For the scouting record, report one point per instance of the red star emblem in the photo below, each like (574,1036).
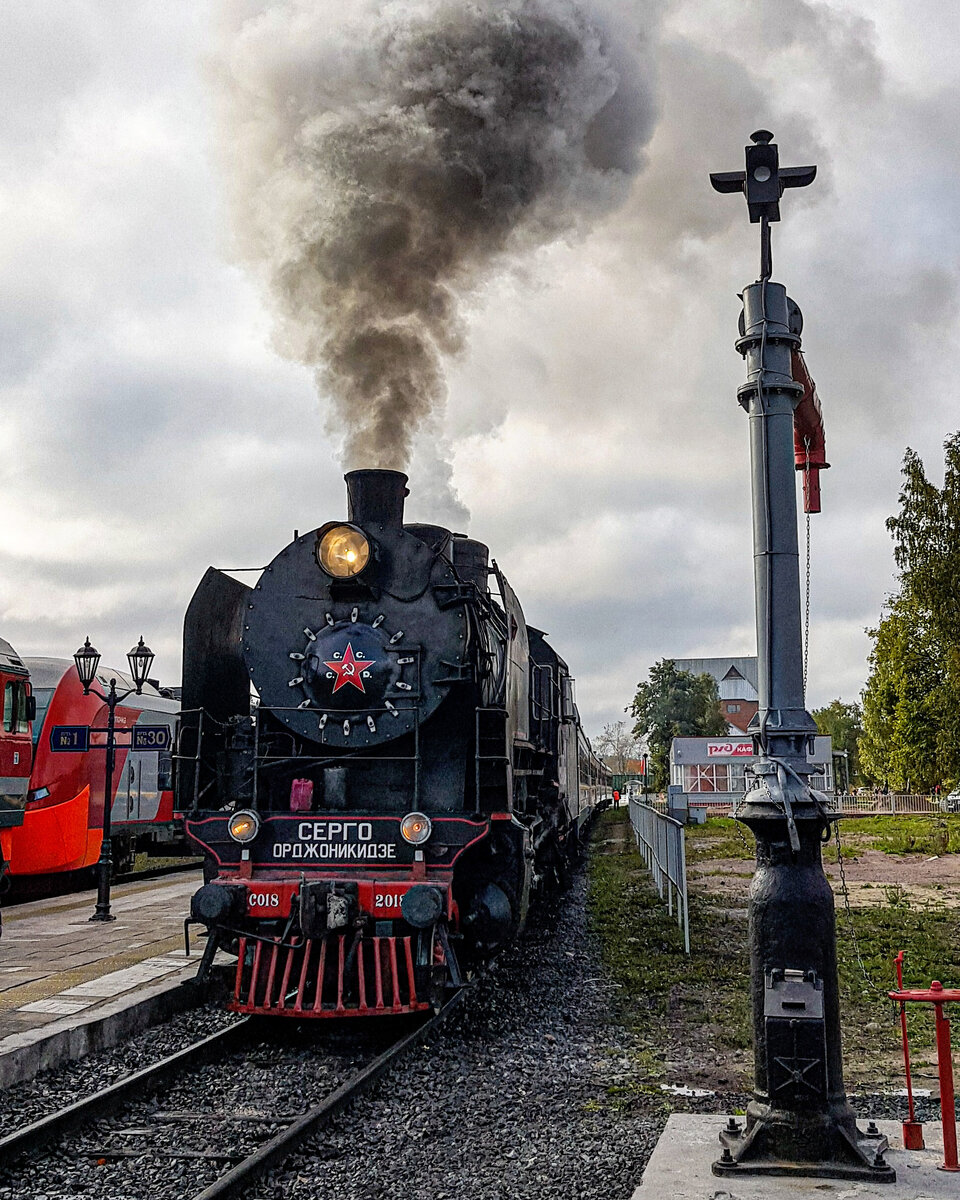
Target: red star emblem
(349,669)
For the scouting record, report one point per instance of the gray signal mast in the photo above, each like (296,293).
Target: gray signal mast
(799,1121)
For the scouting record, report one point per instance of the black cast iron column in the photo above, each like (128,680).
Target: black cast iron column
(105,863)
(799,1121)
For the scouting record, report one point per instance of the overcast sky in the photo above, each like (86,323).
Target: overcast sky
(150,428)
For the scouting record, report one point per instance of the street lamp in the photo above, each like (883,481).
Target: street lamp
(87,660)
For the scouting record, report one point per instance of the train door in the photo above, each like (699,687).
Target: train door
(134,767)
(145,794)
(16,744)
(569,766)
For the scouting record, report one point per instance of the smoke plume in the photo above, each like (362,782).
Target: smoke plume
(385,163)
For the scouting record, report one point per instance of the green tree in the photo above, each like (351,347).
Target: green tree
(903,701)
(844,724)
(911,706)
(926,537)
(674,704)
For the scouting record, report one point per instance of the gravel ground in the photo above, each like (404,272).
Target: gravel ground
(508,1099)
(53,1090)
(528,1090)
(174,1144)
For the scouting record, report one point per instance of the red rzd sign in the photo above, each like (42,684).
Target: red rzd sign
(729,749)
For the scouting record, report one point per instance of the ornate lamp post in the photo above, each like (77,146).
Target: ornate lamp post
(799,1121)
(87,659)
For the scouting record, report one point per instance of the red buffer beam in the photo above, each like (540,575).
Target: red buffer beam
(809,441)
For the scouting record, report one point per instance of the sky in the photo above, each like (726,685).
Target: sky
(152,425)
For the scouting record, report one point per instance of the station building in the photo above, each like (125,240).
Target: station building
(711,770)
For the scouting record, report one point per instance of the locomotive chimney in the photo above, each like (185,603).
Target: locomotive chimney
(376,498)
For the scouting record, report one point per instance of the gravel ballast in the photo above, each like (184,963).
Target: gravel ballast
(508,1098)
(52,1090)
(529,1089)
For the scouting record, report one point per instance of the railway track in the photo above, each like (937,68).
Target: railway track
(237,1169)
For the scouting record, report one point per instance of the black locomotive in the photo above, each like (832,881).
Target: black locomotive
(411,768)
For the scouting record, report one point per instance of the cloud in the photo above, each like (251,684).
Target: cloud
(591,426)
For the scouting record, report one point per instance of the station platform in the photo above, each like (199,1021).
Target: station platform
(69,985)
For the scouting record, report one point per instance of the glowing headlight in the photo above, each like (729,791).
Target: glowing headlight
(343,551)
(416,827)
(244,826)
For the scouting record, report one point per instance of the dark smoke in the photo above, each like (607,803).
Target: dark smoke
(385,166)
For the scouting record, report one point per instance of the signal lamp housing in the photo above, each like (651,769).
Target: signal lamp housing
(416,828)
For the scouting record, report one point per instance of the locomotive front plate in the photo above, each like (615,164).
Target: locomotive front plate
(296,842)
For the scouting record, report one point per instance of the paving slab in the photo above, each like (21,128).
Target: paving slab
(679,1169)
(69,985)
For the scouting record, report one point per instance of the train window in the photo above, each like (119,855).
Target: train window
(15,708)
(43,696)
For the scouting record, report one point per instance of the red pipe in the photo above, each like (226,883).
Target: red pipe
(809,440)
(912,1128)
(948,1109)
(938,995)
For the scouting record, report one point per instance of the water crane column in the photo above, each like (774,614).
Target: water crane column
(799,1121)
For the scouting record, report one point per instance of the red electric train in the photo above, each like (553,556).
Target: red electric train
(61,794)
(16,746)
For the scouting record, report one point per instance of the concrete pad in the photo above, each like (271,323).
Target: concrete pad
(679,1169)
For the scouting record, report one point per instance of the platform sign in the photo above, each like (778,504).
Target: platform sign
(69,739)
(150,737)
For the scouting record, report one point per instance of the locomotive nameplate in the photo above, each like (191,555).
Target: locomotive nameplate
(299,842)
(345,841)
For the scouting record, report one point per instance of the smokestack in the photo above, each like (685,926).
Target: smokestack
(376,498)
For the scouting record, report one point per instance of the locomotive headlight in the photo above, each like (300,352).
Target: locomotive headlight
(343,551)
(416,827)
(244,826)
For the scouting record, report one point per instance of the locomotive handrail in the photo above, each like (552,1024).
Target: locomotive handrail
(405,705)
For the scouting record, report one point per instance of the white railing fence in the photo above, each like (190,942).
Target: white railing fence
(661,844)
(875,804)
(886,804)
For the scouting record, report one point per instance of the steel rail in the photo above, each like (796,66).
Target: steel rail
(52,1128)
(47,1129)
(283,1144)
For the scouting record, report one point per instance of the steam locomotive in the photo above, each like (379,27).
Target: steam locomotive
(411,768)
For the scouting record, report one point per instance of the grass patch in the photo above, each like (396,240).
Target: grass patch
(698,1007)
(719,837)
(903,835)
(642,950)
